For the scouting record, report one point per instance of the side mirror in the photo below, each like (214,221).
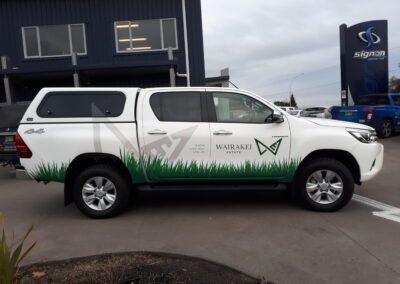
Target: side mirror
(275,118)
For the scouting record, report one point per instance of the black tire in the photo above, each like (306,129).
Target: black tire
(386,129)
(122,189)
(324,164)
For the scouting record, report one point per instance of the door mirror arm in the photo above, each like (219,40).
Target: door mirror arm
(275,118)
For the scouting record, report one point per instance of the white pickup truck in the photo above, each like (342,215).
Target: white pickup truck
(102,143)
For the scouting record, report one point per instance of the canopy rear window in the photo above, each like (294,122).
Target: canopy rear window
(82,104)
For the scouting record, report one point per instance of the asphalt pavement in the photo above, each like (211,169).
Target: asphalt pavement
(260,233)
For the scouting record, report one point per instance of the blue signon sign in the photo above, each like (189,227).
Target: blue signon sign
(364,59)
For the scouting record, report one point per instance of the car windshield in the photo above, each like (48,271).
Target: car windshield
(293,112)
(10,116)
(373,100)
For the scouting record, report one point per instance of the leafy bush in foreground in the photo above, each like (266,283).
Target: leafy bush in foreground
(11,256)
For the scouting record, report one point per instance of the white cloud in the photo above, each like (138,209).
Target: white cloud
(266,43)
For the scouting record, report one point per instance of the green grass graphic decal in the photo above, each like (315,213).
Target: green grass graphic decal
(133,166)
(50,172)
(157,167)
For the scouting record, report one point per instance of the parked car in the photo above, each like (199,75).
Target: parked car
(297,112)
(10,117)
(382,112)
(318,112)
(102,142)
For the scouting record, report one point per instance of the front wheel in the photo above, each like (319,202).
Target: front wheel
(325,185)
(101,191)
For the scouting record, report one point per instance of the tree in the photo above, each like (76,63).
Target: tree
(394,85)
(293,102)
(282,103)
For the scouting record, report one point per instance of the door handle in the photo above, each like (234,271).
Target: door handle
(157,132)
(222,132)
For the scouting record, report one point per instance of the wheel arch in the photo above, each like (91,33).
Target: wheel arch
(389,118)
(340,155)
(84,161)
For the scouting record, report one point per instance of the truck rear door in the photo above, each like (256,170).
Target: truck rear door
(174,134)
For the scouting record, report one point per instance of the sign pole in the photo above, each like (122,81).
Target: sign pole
(343,66)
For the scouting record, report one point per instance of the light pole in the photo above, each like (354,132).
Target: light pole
(291,87)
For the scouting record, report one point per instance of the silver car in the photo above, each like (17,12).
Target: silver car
(318,112)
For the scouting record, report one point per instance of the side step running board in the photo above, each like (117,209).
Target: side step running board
(211,186)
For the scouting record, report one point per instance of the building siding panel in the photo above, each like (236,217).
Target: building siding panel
(98,17)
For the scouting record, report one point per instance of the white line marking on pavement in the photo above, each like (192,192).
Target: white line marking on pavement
(386,211)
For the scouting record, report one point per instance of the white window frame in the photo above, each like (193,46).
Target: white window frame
(163,48)
(40,47)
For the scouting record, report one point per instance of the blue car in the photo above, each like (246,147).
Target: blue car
(380,111)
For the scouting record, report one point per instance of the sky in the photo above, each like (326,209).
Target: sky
(268,43)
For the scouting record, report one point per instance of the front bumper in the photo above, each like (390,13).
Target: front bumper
(375,167)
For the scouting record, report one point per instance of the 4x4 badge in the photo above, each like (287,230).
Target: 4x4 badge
(274,148)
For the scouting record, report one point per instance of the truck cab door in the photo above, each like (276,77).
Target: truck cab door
(246,144)
(175,134)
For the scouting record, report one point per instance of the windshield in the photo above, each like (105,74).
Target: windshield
(10,116)
(373,100)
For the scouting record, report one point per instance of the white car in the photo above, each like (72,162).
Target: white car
(102,143)
(317,112)
(297,112)
(287,109)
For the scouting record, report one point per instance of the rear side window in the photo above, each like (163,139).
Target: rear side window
(177,107)
(396,100)
(373,100)
(82,104)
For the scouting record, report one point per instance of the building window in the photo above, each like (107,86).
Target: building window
(145,35)
(55,40)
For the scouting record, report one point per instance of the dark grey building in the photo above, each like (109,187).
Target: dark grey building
(118,43)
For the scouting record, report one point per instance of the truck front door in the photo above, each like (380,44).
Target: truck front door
(245,143)
(175,140)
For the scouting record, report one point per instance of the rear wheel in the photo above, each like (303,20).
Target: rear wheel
(325,184)
(386,129)
(101,191)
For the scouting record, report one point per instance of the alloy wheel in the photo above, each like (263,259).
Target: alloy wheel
(324,186)
(99,193)
(386,129)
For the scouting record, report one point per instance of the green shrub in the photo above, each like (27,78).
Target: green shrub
(11,256)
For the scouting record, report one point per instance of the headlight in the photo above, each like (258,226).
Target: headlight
(364,136)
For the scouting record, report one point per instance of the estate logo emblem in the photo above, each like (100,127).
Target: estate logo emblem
(274,148)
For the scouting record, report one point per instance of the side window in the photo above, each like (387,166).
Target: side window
(177,107)
(396,100)
(82,104)
(383,100)
(237,108)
